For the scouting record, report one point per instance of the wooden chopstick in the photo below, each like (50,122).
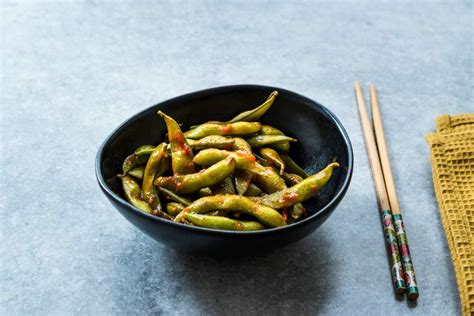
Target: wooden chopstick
(380,190)
(409,272)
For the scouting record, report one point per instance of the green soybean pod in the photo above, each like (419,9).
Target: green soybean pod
(224,187)
(138,157)
(181,153)
(223,223)
(190,183)
(149,193)
(253,190)
(241,144)
(297,211)
(137,172)
(173,196)
(212,141)
(292,167)
(242,181)
(266,140)
(208,122)
(144,150)
(292,178)
(236,203)
(238,128)
(205,192)
(218,213)
(273,157)
(267,178)
(256,113)
(165,165)
(132,193)
(251,115)
(174,208)
(270,130)
(300,192)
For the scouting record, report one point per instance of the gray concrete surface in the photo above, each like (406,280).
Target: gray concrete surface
(71,72)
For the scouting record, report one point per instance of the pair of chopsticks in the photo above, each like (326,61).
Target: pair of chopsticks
(401,266)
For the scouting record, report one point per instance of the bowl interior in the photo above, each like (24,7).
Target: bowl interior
(320,137)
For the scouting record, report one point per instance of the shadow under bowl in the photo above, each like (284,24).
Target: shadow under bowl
(321,138)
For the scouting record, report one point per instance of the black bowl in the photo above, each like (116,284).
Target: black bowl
(321,138)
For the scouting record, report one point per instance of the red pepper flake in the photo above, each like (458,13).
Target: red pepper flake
(245,155)
(179,138)
(288,197)
(292,195)
(226,129)
(185,149)
(284,214)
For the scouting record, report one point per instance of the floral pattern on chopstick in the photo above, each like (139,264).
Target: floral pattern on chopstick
(393,254)
(409,272)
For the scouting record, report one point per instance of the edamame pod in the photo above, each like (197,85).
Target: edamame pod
(193,182)
(299,192)
(258,112)
(132,193)
(213,122)
(174,208)
(253,190)
(292,166)
(137,172)
(270,130)
(297,211)
(292,178)
(173,196)
(238,128)
(225,187)
(241,144)
(261,160)
(205,192)
(273,157)
(165,164)
(139,156)
(264,214)
(224,223)
(212,141)
(144,150)
(267,178)
(242,181)
(181,153)
(265,140)
(218,213)
(149,193)
(251,115)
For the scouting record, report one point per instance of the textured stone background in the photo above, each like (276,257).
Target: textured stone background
(71,72)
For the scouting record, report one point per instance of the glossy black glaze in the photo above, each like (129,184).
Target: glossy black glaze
(321,138)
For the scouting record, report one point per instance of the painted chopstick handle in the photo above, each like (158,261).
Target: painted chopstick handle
(396,268)
(410,279)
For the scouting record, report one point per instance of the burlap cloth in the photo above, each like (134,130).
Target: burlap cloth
(452,159)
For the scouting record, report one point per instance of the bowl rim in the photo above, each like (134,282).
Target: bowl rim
(215,90)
